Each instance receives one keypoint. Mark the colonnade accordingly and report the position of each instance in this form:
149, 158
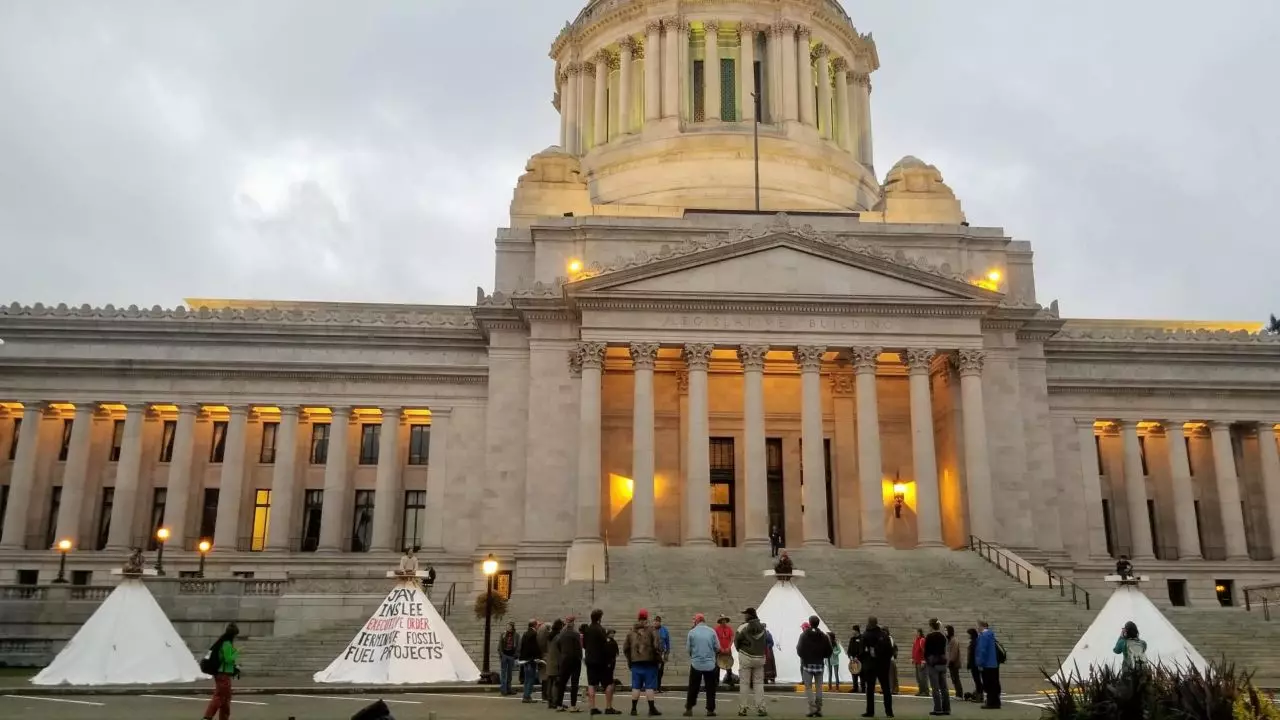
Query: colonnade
588, 358
178, 454
802, 82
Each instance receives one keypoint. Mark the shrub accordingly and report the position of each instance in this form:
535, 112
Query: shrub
1220, 692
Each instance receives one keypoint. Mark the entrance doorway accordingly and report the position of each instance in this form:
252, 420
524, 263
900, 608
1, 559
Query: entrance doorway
723, 519
826, 460
774, 483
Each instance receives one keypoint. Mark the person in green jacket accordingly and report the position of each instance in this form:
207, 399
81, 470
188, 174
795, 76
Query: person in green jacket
226, 650
1131, 646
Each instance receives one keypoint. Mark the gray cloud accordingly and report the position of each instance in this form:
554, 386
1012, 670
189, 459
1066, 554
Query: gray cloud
317, 149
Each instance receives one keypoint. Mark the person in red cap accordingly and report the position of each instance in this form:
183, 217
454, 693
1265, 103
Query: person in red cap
641, 650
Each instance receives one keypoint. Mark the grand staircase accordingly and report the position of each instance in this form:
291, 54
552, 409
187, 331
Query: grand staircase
903, 589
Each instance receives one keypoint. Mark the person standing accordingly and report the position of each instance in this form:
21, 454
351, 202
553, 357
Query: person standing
855, 653
664, 646
935, 663
508, 650
953, 660
987, 658
556, 692
814, 649
224, 650
1132, 647
611, 675
702, 646
641, 651
877, 664
749, 640
775, 541
724, 659
917, 662
770, 661
569, 643
972, 664
529, 659
833, 664
595, 648
544, 670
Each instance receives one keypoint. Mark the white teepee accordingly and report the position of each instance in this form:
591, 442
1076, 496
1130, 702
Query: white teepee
405, 642
1165, 645
783, 611
127, 641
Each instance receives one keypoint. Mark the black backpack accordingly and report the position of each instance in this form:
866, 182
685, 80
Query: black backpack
211, 663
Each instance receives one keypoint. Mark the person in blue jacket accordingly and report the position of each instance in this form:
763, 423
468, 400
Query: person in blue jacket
664, 647
987, 658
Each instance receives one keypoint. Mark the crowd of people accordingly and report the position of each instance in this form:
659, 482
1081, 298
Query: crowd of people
552, 655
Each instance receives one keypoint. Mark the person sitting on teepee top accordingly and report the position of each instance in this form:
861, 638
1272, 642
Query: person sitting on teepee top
408, 563
133, 565
784, 568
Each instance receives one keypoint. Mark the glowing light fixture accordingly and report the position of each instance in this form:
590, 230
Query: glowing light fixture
994, 276
204, 547
899, 497
63, 547
575, 266
490, 565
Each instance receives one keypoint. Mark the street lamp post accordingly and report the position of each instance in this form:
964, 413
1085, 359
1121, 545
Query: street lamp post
204, 548
63, 547
162, 535
490, 567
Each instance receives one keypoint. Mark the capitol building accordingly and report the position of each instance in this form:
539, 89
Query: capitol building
715, 313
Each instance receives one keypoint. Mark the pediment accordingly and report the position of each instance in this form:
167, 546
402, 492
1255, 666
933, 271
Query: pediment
782, 265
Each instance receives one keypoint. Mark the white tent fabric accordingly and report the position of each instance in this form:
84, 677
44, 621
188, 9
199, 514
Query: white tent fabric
405, 642
127, 641
1165, 645
783, 611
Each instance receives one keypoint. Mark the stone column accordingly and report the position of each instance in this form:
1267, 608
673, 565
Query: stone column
928, 494
626, 52
977, 466
790, 82
586, 109
697, 448
863, 91
23, 477
774, 83
843, 125
653, 71
1224, 465
804, 67
573, 133
824, 93
1091, 481
747, 70
870, 467
711, 70
1183, 495
1135, 493
333, 510
227, 531
643, 356
563, 81
677, 35
437, 479
284, 482
128, 470
602, 99
755, 456
75, 473
386, 493
179, 486
1269, 460
809, 358
586, 555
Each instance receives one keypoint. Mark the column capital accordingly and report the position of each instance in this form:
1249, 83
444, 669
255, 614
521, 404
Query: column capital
809, 357
138, 408
627, 43
865, 359
752, 357
241, 410
1219, 425
1083, 423
840, 65
591, 354
86, 409
786, 28
697, 355
1126, 424
573, 69
749, 29
394, 410
861, 78
643, 354
675, 23
711, 26
919, 360
189, 408
1173, 427
820, 51
803, 31
637, 53
970, 362
603, 57
588, 67
842, 383
654, 26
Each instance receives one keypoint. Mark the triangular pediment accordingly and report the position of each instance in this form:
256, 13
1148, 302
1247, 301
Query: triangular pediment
782, 265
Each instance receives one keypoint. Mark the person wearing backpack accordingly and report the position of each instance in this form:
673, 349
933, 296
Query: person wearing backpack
987, 657
1131, 646
221, 664
877, 663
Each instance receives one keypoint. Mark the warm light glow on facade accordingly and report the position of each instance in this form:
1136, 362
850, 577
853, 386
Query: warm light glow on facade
490, 565
575, 266
64, 545
990, 281
162, 534
204, 546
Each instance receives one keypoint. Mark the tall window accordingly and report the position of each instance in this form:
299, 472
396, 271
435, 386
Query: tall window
757, 72
1097, 451
1142, 454
166, 440
117, 439
1106, 527
65, 447
312, 510
369, 434
209, 514
723, 520
104, 517
51, 524
267, 454
699, 96
415, 514
261, 519
319, 443
1155, 533
729, 90
1195, 505
419, 444
218, 446
17, 433
159, 498
362, 522
1191, 463
774, 484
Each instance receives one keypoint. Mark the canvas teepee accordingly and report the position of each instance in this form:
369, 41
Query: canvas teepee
1165, 645
127, 641
783, 611
405, 642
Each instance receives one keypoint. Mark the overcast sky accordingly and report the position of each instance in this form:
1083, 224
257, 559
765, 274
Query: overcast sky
324, 150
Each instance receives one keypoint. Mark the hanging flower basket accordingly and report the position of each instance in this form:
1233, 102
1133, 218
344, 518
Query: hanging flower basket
498, 606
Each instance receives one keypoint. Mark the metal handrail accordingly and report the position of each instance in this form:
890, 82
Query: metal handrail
449, 599
1002, 560
1076, 590
1265, 594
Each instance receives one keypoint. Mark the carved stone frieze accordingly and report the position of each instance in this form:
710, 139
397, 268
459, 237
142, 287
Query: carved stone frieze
752, 356
809, 357
697, 355
682, 381
865, 359
321, 315
644, 354
1164, 335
